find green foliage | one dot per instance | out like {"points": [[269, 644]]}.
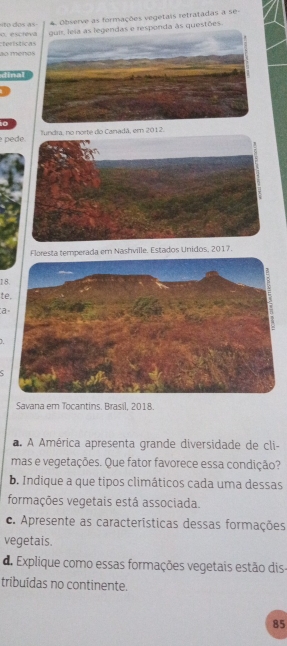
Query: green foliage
{"points": [[97, 383], [157, 383], [46, 383], [9, 224], [60, 307], [11, 176], [78, 306], [203, 198], [146, 306], [36, 383], [135, 388]]}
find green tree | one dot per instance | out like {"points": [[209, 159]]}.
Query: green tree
{"points": [[11, 179], [146, 306]]}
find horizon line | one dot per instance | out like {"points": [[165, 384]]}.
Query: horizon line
{"points": [[184, 280]]}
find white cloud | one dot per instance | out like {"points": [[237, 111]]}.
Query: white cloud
{"points": [[216, 43]]}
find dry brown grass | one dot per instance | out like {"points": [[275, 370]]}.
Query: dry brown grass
{"points": [[209, 349]]}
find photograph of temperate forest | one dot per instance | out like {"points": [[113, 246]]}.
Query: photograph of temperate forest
{"points": [[146, 77], [162, 326], [11, 182], [186, 187]]}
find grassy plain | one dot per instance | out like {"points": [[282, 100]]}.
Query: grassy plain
{"points": [[111, 333], [170, 198], [134, 90]]}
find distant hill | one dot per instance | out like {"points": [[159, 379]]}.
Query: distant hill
{"points": [[191, 162], [121, 63], [115, 288]]}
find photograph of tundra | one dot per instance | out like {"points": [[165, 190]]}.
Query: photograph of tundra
{"points": [[146, 77], [162, 326], [181, 187]]}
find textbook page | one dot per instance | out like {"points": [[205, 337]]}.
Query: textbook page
{"points": [[143, 323]]}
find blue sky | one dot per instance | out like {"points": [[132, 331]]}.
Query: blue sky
{"points": [[248, 271], [207, 43]]}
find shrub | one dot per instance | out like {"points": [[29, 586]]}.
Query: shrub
{"points": [[146, 306]]}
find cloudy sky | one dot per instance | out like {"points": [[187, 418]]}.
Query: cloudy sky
{"points": [[224, 146], [217, 43], [248, 271]]}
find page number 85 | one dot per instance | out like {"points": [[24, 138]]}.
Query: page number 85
{"points": [[276, 624]]}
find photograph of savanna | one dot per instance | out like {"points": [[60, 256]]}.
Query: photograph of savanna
{"points": [[162, 326], [186, 187], [11, 182], [144, 77]]}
